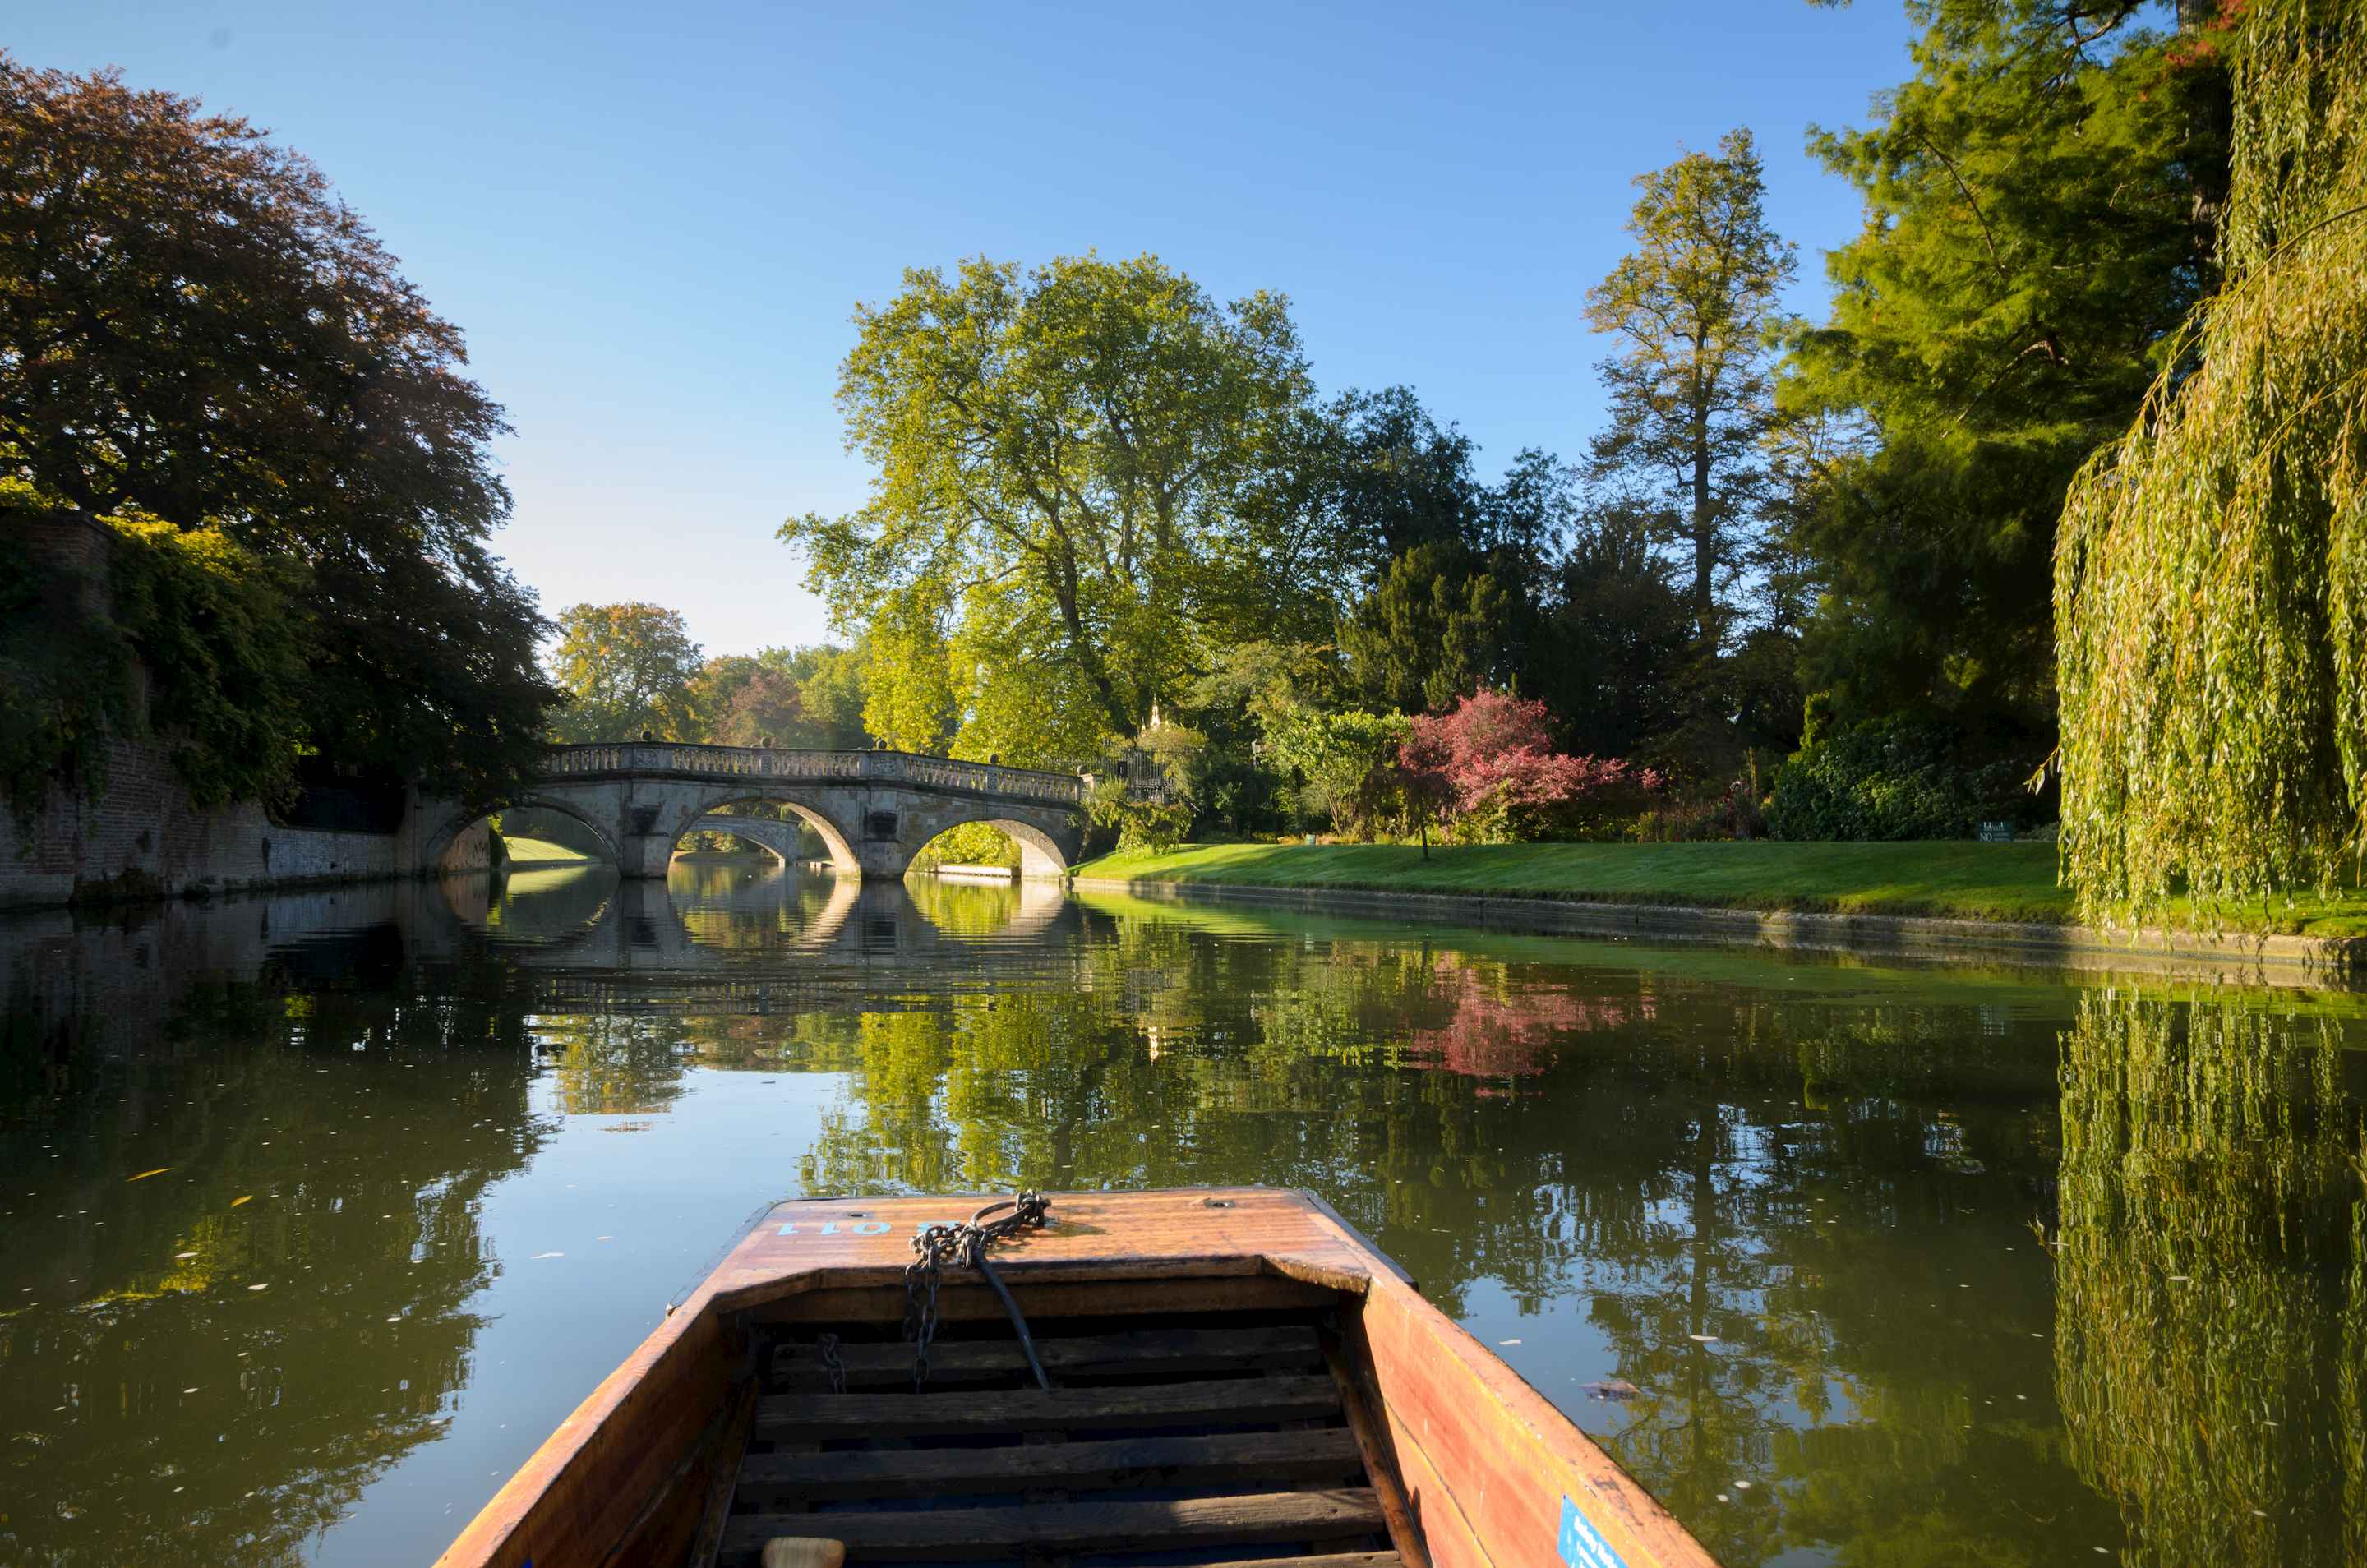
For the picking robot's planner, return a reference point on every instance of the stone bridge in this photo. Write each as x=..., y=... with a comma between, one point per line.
x=874, y=811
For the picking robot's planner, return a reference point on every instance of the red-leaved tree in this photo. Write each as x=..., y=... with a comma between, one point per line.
x=1489, y=772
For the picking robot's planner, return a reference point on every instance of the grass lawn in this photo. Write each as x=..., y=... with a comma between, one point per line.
x=1967, y=881
x=531, y=850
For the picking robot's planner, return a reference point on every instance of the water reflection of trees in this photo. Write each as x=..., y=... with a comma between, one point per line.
x=606, y=1064
x=364, y=1174
x=962, y=908
x=1776, y=1176
x=2212, y=1276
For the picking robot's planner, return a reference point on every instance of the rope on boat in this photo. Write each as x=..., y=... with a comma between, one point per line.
x=965, y=1246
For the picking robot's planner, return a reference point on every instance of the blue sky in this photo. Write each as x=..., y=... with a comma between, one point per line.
x=653, y=222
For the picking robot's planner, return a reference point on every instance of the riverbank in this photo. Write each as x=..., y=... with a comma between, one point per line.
x=540, y=855
x=1934, y=899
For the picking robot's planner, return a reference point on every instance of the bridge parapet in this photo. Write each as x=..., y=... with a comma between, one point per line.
x=755, y=762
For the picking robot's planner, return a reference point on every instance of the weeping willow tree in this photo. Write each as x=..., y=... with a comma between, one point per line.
x=2211, y=574
x=2210, y=1281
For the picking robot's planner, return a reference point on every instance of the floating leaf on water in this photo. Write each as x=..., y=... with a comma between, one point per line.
x=537, y=1257
x=183, y=1256
x=237, y=1201
x=1703, y=1338
x=146, y=1174
x=258, y=1287
x=1508, y=1342
x=1616, y=1390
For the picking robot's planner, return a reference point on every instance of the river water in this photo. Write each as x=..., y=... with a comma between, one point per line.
x=318, y=1212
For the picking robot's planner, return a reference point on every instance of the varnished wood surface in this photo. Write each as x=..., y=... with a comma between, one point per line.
x=1176, y=1233
x=1485, y=1460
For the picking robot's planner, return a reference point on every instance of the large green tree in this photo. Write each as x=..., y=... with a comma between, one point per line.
x=783, y=696
x=194, y=329
x=1690, y=396
x=1087, y=474
x=1459, y=570
x=2211, y=580
x=628, y=669
x=1620, y=629
x=2039, y=200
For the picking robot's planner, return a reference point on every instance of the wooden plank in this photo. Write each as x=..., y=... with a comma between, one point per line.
x=1446, y=1533
x=723, y=1475
x=1380, y=1463
x=1328, y=1560
x=839, y=1243
x=1278, y=1517
x=598, y=1477
x=1503, y=1457
x=1330, y=1455
x=1189, y=1295
x=1160, y=1351
x=1237, y=1400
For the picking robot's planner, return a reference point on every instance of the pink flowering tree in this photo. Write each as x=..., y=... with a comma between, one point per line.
x=1488, y=771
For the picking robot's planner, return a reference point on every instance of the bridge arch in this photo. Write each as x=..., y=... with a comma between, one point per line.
x=1040, y=854
x=441, y=843
x=781, y=839
x=833, y=836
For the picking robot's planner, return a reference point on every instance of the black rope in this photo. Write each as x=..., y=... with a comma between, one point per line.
x=966, y=1245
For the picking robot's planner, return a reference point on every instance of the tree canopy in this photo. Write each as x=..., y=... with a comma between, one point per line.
x=1690, y=396
x=2211, y=580
x=628, y=670
x=1085, y=473
x=2037, y=222
x=193, y=330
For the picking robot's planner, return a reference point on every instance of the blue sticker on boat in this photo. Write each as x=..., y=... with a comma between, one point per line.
x=1581, y=1544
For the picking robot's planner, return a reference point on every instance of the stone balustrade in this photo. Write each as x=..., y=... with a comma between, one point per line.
x=602, y=759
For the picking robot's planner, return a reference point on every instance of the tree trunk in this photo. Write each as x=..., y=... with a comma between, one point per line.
x=1704, y=532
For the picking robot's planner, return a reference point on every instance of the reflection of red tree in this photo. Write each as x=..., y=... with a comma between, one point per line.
x=1497, y=1030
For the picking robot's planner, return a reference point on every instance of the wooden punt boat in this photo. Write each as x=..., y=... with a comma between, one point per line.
x=1237, y=1377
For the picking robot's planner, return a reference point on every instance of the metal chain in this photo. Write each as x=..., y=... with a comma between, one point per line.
x=828, y=1345
x=965, y=1246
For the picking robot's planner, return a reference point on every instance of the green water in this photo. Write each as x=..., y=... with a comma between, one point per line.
x=1849, y=1264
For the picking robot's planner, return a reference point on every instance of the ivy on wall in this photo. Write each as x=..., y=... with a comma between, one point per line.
x=214, y=626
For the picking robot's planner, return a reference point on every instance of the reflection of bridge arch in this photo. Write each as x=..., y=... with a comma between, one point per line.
x=1035, y=905
x=642, y=954
x=874, y=809
x=639, y=925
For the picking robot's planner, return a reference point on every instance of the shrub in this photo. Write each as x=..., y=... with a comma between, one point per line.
x=1489, y=772
x=1900, y=777
x=1345, y=759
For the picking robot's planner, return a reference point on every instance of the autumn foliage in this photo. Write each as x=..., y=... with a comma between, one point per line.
x=1488, y=770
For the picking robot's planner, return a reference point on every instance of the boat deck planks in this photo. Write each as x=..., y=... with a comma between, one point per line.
x=1136, y=1526
x=1329, y=1456
x=1239, y=1380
